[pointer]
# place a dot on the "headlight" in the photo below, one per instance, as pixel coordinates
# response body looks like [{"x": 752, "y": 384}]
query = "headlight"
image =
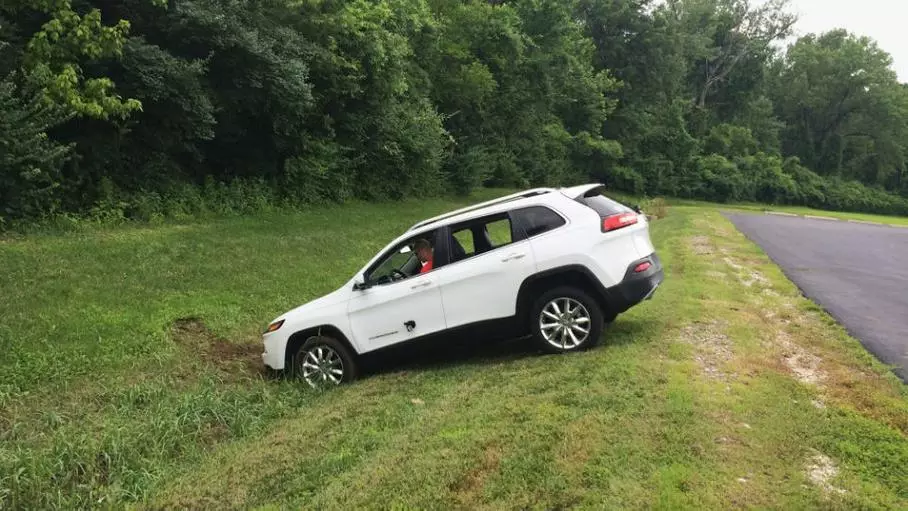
[{"x": 274, "y": 326}]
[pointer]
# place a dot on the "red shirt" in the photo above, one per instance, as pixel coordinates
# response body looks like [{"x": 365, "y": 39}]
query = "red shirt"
[{"x": 426, "y": 267}]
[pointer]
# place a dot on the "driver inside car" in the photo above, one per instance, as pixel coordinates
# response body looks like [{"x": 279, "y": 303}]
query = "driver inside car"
[{"x": 424, "y": 253}]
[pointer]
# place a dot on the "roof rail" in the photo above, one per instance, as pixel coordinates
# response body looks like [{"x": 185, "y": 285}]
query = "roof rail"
[{"x": 501, "y": 200}]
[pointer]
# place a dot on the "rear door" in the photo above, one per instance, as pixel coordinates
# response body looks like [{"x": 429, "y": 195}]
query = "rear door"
[{"x": 489, "y": 260}]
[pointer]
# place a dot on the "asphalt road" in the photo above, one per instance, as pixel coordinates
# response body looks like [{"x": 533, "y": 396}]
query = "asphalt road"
[{"x": 857, "y": 272}]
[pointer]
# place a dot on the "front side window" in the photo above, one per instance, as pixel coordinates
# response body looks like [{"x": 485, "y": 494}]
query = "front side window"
[{"x": 412, "y": 257}]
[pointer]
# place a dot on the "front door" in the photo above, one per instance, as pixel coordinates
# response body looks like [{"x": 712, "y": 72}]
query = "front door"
[{"x": 400, "y": 305}]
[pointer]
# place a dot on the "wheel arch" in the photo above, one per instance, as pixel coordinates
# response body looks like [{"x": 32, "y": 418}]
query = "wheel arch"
[
  {"x": 296, "y": 340},
  {"x": 573, "y": 275}
]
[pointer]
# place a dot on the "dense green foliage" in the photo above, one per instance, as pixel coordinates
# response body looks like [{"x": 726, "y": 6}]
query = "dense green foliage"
[{"x": 143, "y": 108}]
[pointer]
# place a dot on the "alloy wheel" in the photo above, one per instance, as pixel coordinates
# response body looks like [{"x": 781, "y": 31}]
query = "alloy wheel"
[
  {"x": 565, "y": 323},
  {"x": 322, "y": 367}
]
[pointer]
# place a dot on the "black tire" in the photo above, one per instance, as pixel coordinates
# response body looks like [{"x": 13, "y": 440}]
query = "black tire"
[
  {"x": 334, "y": 356},
  {"x": 572, "y": 296}
]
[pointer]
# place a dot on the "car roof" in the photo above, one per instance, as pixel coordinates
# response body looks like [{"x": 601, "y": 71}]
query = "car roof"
[{"x": 515, "y": 200}]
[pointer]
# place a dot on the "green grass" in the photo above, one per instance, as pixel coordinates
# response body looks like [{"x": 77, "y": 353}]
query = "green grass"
[
  {"x": 692, "y": 400},
  {"x": 799, "y": 210}
]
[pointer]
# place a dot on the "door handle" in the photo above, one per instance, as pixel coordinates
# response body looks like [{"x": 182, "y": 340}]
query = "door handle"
[
  {"x": 513, "y": 257},
  {"x": 418, "y": 286}
]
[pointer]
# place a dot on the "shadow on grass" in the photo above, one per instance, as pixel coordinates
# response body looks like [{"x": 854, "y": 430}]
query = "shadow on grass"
[
  {"x": 479, "y": 351},
  {"x": 429, "y": 355}
]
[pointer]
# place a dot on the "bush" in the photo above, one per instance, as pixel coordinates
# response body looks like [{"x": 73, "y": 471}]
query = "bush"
[
  {"x": 808, "y": 184},
  {"x": 854, "y": 196},
  {"x": 766, "y": 179},
  {"x": 625, "y": 179},
  {"x": 656, "y": 208},
  {"x": 323, "y": 175},
  {"x": 714, "y": 178},
  {"x": 657, "y": 175}
]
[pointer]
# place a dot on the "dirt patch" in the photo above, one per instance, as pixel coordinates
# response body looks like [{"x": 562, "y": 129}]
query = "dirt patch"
[
  {"x": 713, "y": 347},
  {"x": 469, "y": 488},
  {"x": 222, "y": 353},
  {"x": 700, "y": 245},
  {"x": 749, "y": 277},
  {"x": 754, "y": 277},
  {"x": 821, "y": 470},
  {"x": 804, "y": 365}
]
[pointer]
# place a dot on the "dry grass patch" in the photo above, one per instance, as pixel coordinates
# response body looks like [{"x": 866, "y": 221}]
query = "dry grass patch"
[
  {"x": 804, "y": 365},
  {"x": 821, "y": 471},
  {"x": 700, "y": 245},
  {"x": 712, "y": 347},
  {"x": 467, "y": 491}
]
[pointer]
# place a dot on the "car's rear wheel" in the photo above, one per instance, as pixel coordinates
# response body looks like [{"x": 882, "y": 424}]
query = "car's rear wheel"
[
  {"x": 325, "y": 362},
  {"x": 565, "y": 319}
]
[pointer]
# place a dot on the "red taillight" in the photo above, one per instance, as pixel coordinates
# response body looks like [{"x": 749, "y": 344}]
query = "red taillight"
[
  {"x": 642, "y": 267},
  {"x": 610, "y": 223}
]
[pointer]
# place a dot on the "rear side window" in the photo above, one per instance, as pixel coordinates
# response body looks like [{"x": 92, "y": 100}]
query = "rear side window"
[
  {"x": 602, "y": 204},
  {"x": 464, "y": 238},
  {"x": 480, "y": 235},
  {"x": 538, "y": 219},
  {"x": 499, "y": 232}
]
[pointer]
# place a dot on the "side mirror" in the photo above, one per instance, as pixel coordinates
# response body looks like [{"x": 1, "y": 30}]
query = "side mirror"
[
  {"x": 637, "y": 209},
  {"x": 361, "y": 286}
]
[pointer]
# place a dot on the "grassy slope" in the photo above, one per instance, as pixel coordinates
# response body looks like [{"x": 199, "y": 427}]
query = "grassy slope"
[{"x": 694, "y": 398}]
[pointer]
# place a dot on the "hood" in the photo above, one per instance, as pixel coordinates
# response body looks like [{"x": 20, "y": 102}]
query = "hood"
[{"x": 333, "y": 298}]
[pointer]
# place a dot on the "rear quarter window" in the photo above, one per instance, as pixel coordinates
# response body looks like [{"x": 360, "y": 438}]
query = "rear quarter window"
[{"x": 538, "y": 219}]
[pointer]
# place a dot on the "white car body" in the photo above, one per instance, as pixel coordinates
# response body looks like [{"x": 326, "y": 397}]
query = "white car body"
[{"x": 493, "y": 286}]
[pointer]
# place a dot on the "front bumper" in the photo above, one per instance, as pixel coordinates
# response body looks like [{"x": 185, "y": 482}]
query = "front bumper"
[
  {"x": 273, "y": 355},
  {"x": 636, "y": 287}
]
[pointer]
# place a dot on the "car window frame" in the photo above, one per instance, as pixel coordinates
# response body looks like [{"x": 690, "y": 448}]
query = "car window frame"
[{"x": 517, "y": 234}]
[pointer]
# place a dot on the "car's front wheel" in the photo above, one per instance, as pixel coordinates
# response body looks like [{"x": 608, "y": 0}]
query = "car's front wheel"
[
  {"x": 325, "y": 362},
  {"x": 565, "y": 319}
]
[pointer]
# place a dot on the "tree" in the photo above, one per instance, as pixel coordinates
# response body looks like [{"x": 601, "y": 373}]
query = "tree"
[
  {"x": 843, "y": 106},
  {"x": 61, "y": 41},
  {"x": 29, "y": 160},
  {"x": 726, "y": 33}
]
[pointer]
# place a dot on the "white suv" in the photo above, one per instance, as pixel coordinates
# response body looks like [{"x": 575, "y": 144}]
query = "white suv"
[{"x": 554, "y": 264}]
